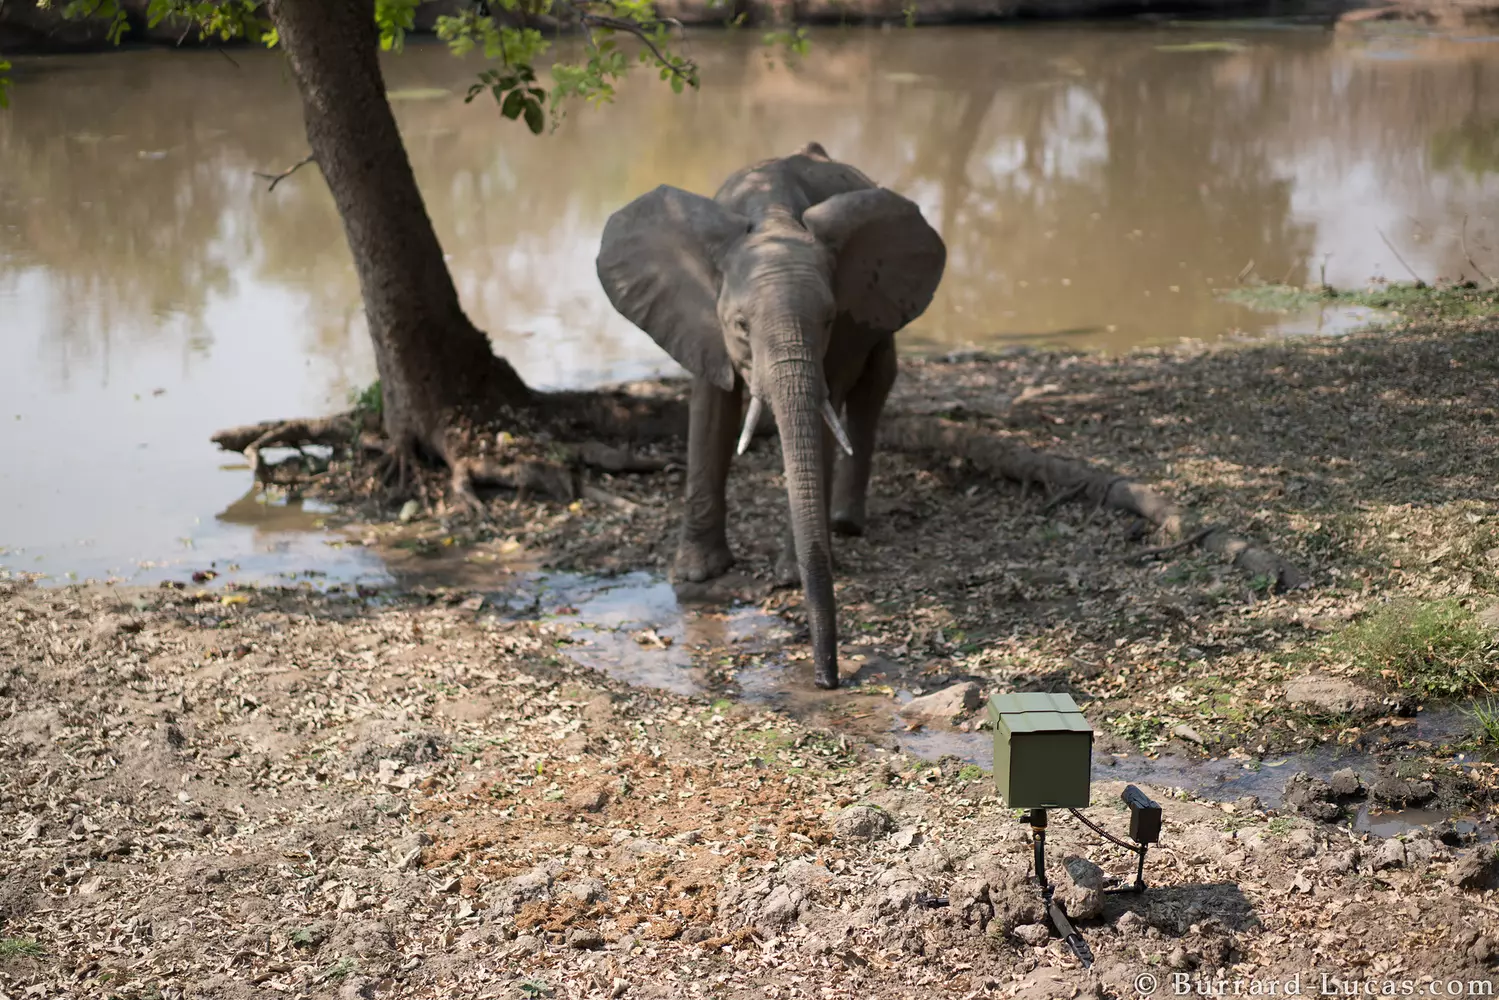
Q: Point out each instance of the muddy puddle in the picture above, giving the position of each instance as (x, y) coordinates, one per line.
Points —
(634, 628)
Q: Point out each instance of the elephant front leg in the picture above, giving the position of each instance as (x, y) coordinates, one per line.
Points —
(713, 422)
(865, 401)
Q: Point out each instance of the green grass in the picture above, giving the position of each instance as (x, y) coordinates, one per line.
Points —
(20, 948)
(1485, 715)
(1404, 299)
(1141, 729)
(370, 399)
(1432, 648)
(970, 772)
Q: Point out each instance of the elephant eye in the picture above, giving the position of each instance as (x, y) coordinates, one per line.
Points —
(741, 324)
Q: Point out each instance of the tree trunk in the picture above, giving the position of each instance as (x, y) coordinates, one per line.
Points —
(434, 365)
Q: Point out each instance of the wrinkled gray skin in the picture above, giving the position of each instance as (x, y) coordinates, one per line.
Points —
(790, 282)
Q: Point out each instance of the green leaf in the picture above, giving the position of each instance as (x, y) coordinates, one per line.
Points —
(513, 105)
(535, 120)
(4, 84)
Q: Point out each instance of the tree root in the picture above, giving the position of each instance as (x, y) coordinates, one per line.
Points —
(1074, 479)
(339, 430)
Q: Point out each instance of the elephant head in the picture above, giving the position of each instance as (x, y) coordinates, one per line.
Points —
(753, 298)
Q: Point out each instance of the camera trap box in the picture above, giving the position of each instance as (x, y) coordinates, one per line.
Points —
(1043, 751)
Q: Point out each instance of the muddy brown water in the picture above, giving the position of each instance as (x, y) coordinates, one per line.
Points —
(1098, 187)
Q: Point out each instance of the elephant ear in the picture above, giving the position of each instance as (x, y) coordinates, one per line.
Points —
(659, 265)
(889, 259)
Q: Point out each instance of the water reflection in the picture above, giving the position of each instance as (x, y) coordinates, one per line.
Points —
(1095, 188)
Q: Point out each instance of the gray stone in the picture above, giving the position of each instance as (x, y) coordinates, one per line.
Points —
(1249, 804)
(1311, 797)
(780, 909)
(584, 890)
(1333, 695)
(1085, 873)
(1034, 935)
(943, 706)
(584, 939)
(1187, 733)
(1400, 792)
(863, 823)
(1346, 783)
(527, 944)
(1390, 854)
(1477, 871)
(1341, 862)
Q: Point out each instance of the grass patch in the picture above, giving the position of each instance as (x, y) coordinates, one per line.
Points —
(20, 948)
(1432, 648)
(369, 400)
(1141, 728)
(1485, 715)
(1403, 299)
(970, 772)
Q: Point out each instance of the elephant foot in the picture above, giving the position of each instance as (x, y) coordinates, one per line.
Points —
(699, 561)
(848, 521)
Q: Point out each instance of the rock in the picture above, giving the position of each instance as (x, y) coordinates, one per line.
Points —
(1085, 873)
(1187, 733)
(1476, 871)
(1400, 792)
(1333, 695)
(1345, 783)
(944, 705)
(1301, 844)
(1034, 935)
(1311, 797)
(1341, 862)
(780, 909)
(1130, 922)
(589, 800)
(409, 510)
(584, 890)
(513, 893)
(527, 944)
(1080, 902)
(1390, 854)
(584, 939)
(863, 823)
(1249, 804)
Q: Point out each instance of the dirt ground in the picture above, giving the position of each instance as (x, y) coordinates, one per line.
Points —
(334, 795)
(234, 791)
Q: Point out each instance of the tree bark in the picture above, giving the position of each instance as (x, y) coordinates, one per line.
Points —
(435, 367)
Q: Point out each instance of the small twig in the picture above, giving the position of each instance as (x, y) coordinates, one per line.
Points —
(1471, 262)
(1166, 550)
(1245, 271)
(1419, 283)
(638, 30)
(283, 175)
(227, 56)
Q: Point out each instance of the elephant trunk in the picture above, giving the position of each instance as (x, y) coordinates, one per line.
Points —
(797, 391)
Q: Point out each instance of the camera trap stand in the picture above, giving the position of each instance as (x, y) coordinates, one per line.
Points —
(1144, 830)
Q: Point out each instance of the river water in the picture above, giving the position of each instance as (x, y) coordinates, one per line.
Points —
(1096, 187)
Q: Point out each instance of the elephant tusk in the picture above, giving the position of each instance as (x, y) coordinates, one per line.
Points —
(831, 416)
(751, 419)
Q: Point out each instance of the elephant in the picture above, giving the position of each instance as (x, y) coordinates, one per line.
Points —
(790, 283)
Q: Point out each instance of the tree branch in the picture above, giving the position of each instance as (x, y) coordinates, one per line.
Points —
(283, 175)
(639, 29)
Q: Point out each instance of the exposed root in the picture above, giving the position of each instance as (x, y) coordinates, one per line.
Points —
(339, 430)
(397, 468)
(1075, 479)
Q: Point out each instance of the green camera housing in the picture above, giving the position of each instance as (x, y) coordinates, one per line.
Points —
(1043, 751)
